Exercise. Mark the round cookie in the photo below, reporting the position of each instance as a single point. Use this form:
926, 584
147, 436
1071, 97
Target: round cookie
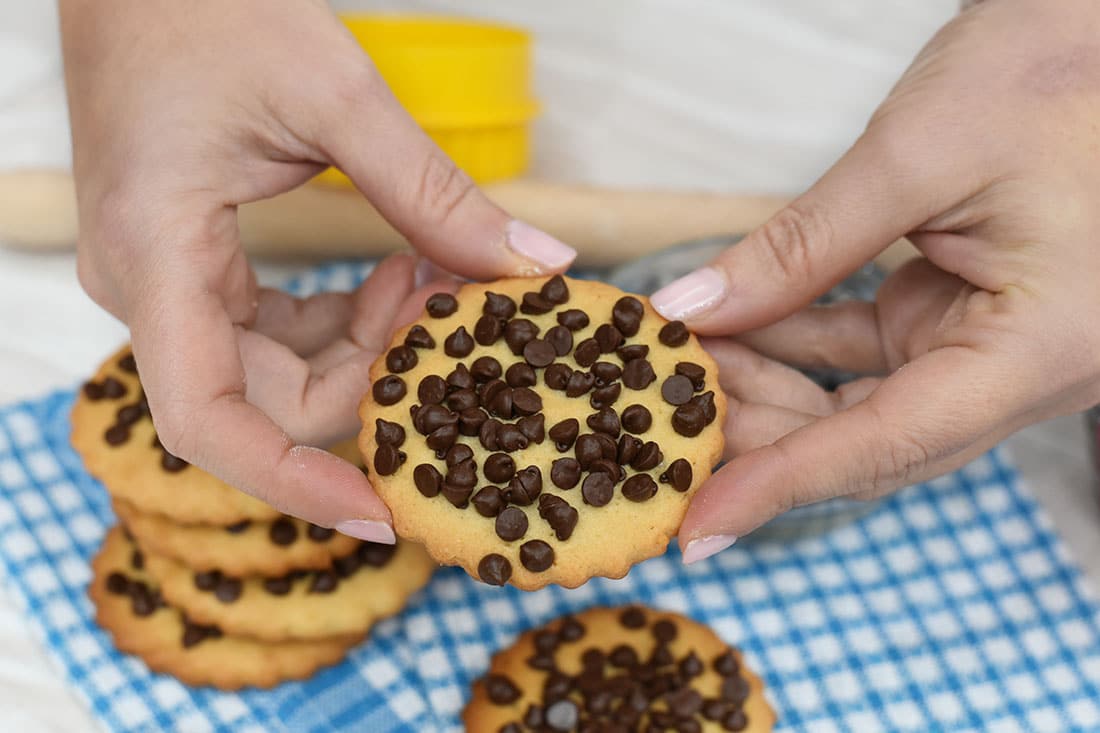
246, 548
538, 431
372, 582
129, 607
627, 668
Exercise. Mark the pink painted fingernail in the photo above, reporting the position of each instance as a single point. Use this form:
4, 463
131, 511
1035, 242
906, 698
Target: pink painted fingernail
367, 529
694, 293
704, 547
538, 246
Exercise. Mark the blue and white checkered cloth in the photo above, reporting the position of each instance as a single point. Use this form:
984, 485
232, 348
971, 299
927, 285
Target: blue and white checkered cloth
953, 606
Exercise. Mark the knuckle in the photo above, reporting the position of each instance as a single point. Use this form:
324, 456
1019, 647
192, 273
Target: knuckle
441, 188
794, 239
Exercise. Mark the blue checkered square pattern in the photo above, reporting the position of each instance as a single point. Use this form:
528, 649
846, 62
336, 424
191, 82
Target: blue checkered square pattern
952, 606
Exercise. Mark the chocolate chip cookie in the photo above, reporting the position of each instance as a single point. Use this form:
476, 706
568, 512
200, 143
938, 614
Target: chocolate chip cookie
628, 669
541, 431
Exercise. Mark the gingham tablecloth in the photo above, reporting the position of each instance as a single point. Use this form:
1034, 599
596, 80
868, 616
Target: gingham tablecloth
953, 606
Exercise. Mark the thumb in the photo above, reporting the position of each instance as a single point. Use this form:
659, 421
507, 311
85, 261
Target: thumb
867, 200
426, 197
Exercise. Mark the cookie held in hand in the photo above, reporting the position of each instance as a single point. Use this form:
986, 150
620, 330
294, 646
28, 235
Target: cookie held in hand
538, 431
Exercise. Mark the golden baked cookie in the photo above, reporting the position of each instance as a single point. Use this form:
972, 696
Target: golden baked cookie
370, 583
539, 431
130, 608
629, 668
268, 548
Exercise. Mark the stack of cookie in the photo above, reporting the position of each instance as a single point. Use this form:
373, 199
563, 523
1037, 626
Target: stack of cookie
209, 584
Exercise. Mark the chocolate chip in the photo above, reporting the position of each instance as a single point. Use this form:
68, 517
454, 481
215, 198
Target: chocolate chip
470, 421
489, 434
494, 569
604, 421
439, 440
673, 333
228, 590
536, 555
459, 496
587, 449
736, 720
346, 566
401, 359
605, 396
427, 479
137, 560
525, 486
117, 434
610, 467
129, 414
324, 581
463, 474
458, 453
684, 703
557, 685
734, 689
388, 433
556, 376
533, 717
534, 304
636, 419
283, 532
388, 459
587, 352
501, 690
573, 319
565, 473
500, 404
511, 524
499, 305
694, 372
627, 315
320, 534
143, 602
518, 332
487, 330
458, 344
520, 375
388, 390
579, 383
526, 401
561, 338
419, 338
638, 374
561, 716
678, 474
533, 428
430, 418
488, 390
648, 458
677, 389
640, 487
113, 389
499, 468
627, 449
539, 353
608, 338
171, 463
605, 372
564, 433
462, 399
192, 634
623, 655
207, 579
691, 666
688, 420
488, 501
93, 391
441, 305
485, 369
432, 389
375, 554
571, 629
555, 290
557, 512
118, 584
597, 489
631, 352
128, 364
460, 378
706, 401
278, 586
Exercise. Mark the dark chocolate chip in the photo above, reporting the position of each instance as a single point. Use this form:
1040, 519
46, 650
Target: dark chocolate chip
604, 421
207, 580
488, 391
608, 448
627, 315
611, 468
606, 372
462, 399
137, 560
536, 555
439, 440
499, 468
388, 390
278, 586
561, 716
632, 617
471, 420
494, 569
489, 434
485, 368
526, 401
706, 401
460, 378
93, 391
689, 420
375, 554
557, 685
458, 453
579, 383
463, 474
673, 333
520, 375
525, 486
117, 434
388, 459
129, 414
627, 449
734, 689
388, 433
171, 463
638, 374
539, 353
143, 602
608, 338
684, 703
556, 376
694, 372
419, 338
401, 359
501, 690
487, 330
320, 534
518, 332
193, 634
533, 428
630, 352
557, 512
458, 344
726, 664
534, 304
430, 418
564, 433
605, 396
533, 717
488, 501
432, 390
128, 364
118, 584
459, 496
441, 305
228, 590
736, 720
499, 305
511, 524
346, 566
649, 457
555, 290
573, 319
511, 438
691, 665
324, 581
636, 419
640, 487
587, 449
113, 389
587, 352
283, 532
571, 629
427, 479
677, 389
678, 474
546, 641
623, 655
561, 338
597, 489
565, 473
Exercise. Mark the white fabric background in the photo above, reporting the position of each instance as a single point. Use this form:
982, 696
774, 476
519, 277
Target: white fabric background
748, 95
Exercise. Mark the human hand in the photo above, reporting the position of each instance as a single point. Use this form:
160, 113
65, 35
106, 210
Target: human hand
983, 154
182, 111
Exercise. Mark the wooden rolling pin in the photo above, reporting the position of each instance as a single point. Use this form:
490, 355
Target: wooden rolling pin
607, 226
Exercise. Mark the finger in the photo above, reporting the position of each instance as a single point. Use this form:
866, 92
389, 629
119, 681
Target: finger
750, 425
750, 377
887, 184
923, 416
421, 192
842, 336
305, 325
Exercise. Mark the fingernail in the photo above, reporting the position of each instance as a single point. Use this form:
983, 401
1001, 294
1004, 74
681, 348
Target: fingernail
538, 246
691, 295
427, 271
367, 529
704, 547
